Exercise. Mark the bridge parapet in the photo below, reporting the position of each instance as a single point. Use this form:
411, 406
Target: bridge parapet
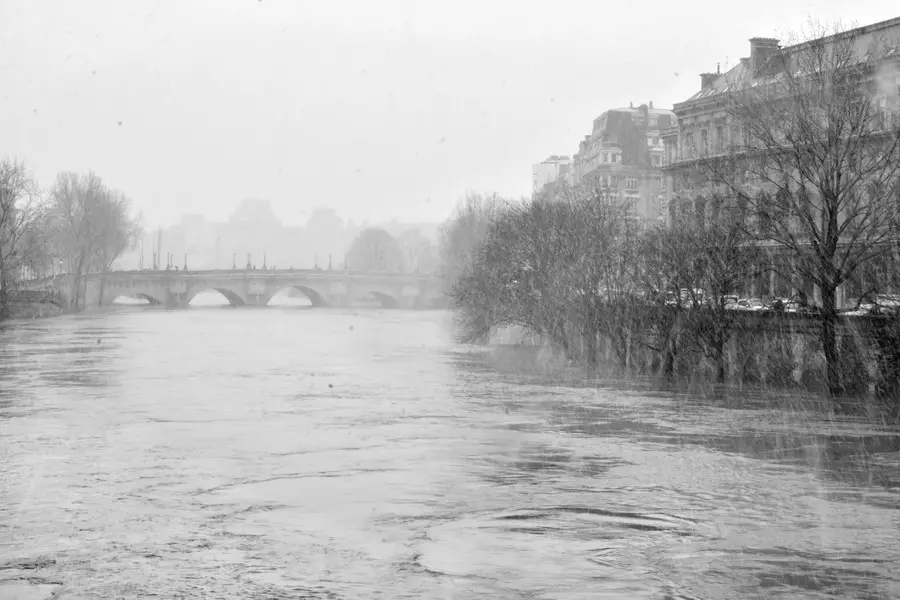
255, 287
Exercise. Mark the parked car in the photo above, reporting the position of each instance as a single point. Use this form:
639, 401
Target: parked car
880, 304
685, 297
730, 302
750, 304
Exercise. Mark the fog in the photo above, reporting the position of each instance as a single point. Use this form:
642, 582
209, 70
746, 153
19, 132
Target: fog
377, 110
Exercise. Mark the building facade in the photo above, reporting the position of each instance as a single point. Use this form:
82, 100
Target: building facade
705, 129
549, 171
624, 152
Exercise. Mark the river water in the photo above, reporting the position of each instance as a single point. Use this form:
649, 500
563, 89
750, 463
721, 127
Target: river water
324, 453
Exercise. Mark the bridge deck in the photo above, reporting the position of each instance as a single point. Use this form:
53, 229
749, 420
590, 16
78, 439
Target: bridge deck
255, 273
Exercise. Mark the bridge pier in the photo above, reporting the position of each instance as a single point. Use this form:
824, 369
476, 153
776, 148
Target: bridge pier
257, 299
177, 300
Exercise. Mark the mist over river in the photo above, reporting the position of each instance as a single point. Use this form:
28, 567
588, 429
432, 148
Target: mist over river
295, 452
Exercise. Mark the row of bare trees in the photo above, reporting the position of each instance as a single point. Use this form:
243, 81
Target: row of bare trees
77, 226
374, 249
579, 268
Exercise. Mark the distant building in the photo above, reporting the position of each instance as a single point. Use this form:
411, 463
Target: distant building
548, 171
624, 152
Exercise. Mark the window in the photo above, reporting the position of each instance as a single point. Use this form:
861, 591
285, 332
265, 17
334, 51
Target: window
606, 157
720, 139
656, 160
614, 156
704, 142
630, 183
655, 141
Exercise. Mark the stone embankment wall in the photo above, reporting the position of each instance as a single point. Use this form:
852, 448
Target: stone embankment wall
783, 350
778, 350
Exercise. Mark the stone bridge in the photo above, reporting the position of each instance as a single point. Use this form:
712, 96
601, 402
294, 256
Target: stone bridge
250, 287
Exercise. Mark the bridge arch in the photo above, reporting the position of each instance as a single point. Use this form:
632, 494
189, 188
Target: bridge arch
233, 298
315, 297
386, 300
151, 299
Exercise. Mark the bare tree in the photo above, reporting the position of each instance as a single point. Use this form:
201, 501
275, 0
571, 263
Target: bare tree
375, 250
597, 268
115, 232
91, 224
19, 206
816, 160
419, 253
719, 257
552, 265
463, 234
513, 279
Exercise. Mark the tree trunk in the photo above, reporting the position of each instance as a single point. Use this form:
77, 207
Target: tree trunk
4, 291
76, 284
102, 285
590, 340
4, 300
563, 338
671, 345
76, 290
829, 341
668, 362
720, 365
628, 356
719, 351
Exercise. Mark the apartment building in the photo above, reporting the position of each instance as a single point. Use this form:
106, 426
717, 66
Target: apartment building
549, 171
625, 153
705, 128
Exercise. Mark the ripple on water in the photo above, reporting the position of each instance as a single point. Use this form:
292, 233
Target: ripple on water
553, 547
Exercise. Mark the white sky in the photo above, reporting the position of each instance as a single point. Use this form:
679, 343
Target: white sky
377, 108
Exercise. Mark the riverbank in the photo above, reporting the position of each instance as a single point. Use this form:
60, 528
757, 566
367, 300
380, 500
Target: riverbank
776, 354
34, 310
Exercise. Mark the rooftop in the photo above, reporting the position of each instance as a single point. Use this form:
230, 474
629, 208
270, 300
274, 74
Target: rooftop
640, 110
738, 74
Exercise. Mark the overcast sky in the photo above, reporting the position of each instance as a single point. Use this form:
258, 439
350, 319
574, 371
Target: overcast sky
377, 108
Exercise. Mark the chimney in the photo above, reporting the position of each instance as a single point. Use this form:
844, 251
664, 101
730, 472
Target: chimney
761, 51
707, 79
651, 104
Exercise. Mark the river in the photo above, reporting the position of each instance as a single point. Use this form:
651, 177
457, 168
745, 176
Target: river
336, 454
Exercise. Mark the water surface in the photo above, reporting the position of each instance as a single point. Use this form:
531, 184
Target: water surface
318, 453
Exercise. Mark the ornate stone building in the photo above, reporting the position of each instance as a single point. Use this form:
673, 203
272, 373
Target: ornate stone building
624, 151
705, 129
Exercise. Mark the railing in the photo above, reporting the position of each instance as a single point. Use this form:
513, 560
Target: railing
282, 273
